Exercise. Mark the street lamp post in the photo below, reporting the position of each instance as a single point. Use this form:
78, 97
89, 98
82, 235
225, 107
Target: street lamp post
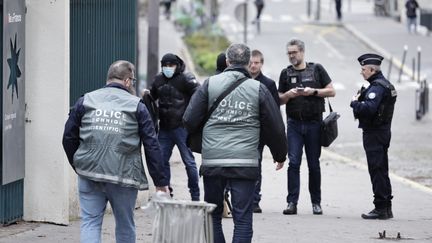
153, 41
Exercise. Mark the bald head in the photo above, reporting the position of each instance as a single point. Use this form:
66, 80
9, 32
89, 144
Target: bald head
120, 69
238, 54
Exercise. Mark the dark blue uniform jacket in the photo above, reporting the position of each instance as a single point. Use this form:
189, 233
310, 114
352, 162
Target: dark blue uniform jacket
366, 108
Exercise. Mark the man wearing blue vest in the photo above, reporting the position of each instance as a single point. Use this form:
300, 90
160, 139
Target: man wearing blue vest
102, 140
231, 137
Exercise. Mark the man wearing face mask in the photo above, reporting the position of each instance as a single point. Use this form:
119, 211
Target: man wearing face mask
173, 88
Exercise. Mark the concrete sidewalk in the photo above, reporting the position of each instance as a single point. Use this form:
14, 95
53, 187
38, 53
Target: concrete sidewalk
346, 193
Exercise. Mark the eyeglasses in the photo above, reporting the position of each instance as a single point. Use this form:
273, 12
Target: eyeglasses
133, 81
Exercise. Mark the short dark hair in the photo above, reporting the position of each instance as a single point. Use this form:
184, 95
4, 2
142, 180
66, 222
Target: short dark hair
257, 53
120, 69
238, 54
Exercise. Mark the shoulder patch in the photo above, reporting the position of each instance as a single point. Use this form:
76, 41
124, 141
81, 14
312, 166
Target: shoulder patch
371, 95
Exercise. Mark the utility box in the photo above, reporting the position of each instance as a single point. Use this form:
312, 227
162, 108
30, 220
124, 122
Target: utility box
426, 18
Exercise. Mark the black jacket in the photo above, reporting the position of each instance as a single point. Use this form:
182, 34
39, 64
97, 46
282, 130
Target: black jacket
271, 86
272, 129
173, 95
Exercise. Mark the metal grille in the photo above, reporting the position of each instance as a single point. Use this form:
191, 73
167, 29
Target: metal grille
11, 202
101, 31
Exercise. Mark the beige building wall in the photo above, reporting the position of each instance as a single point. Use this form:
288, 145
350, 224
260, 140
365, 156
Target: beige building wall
47, 183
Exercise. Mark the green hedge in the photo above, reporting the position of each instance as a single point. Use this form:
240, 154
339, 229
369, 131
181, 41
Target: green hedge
205, 48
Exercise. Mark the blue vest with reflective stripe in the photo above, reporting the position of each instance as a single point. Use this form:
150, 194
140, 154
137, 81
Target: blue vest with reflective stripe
110, 147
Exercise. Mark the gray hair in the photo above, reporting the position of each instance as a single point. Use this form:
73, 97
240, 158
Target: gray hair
238, 54
120, 69
297, 42
376, 68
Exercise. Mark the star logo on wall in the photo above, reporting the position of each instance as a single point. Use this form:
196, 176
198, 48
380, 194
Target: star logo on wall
15, 71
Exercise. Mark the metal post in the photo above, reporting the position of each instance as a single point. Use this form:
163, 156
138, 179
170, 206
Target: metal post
418, 63
390, 67
152, 41
309, 8
318, 10
413, 68
138, 48
403, 62
245, 22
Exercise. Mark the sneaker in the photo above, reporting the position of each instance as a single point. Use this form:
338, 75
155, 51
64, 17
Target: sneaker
316, 209
257, 209
291, 209
226, 211
171, 191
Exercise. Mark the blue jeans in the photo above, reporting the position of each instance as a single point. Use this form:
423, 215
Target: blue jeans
410, 23
257, 194
93, 197
307, 134
242, 192
167, 139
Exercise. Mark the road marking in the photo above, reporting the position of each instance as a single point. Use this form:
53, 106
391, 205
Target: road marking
359, 165
286, 18
266, 18
330, 47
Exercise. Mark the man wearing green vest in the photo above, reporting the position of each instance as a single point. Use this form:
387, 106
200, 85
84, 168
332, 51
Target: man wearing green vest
246, 116
102, 140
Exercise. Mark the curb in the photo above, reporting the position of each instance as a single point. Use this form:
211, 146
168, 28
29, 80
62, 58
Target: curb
370, 43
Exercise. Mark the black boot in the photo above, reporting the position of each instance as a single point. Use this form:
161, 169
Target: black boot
376, 213
291, 209
389, 212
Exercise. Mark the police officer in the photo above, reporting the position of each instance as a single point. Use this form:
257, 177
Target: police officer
373, 107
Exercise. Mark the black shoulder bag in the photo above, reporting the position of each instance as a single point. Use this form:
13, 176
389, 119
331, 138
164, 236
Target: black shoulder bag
329, 127
194, 140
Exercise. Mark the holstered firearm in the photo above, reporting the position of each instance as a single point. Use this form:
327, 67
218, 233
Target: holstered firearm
362, 92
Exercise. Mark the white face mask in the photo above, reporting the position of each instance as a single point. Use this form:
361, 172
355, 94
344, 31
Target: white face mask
168, 71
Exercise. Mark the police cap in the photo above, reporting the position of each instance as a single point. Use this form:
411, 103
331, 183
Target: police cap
370, 58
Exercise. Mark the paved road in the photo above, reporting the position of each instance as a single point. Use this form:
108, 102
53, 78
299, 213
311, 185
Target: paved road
337, 46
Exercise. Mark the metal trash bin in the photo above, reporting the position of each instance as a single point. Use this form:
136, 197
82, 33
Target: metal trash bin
182, 222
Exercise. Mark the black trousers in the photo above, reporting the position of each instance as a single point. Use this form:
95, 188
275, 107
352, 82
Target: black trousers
376, 144
339, 9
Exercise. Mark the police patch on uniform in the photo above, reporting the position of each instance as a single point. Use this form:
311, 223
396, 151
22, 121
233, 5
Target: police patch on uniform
371, 95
